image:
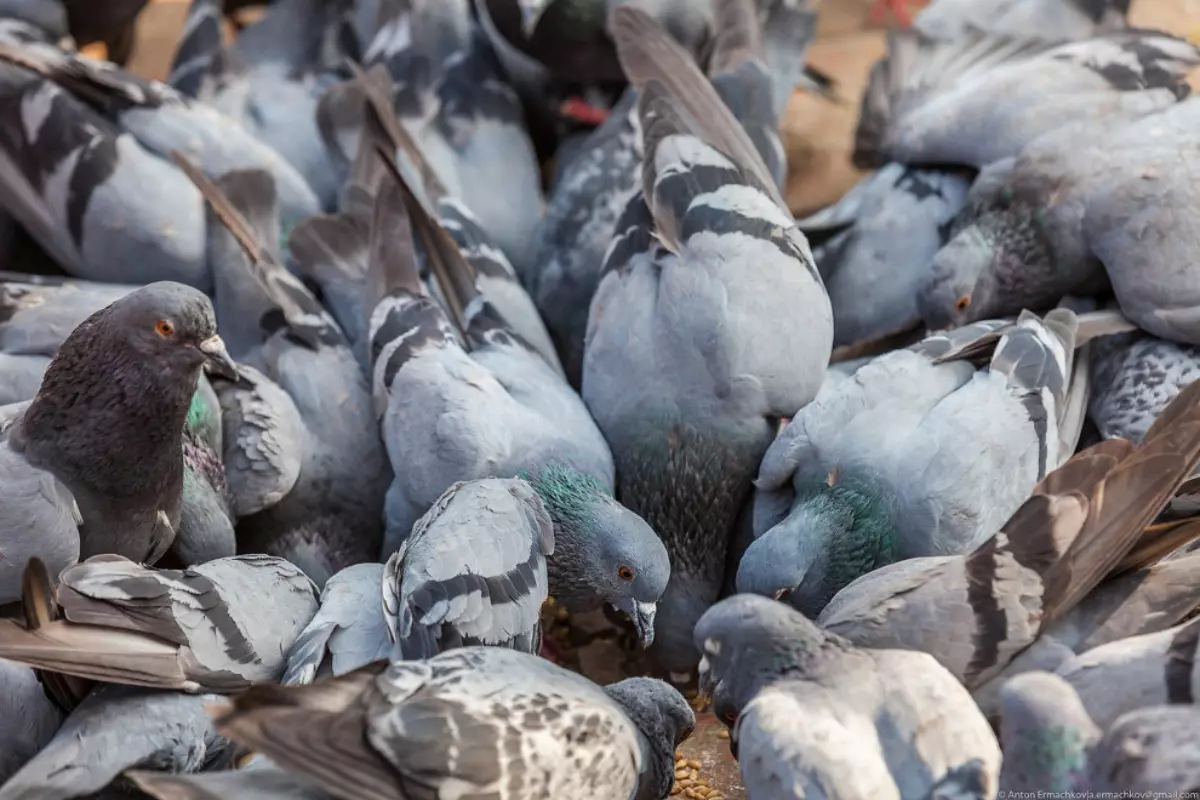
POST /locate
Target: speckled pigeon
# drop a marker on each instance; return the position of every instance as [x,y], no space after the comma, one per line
[817,716]
[918,454]
[477,720]
[705,256]
[218,627]
[488,405]
[1084,521]
[330,519]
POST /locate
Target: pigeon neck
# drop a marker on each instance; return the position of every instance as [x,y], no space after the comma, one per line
[570,497]
[1053,758]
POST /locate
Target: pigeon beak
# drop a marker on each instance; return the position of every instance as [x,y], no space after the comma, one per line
[705,680]
[217,358]
[531,12]
[642,616]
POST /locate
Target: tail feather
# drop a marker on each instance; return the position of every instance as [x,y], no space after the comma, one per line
[40,608]
[200,49]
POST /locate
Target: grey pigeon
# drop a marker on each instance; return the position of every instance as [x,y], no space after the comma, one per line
[877,245]
[348,632]
[118,728]
[1045,19]
[819,717]
[330,519]
[488,405]
[575,234]
[1067,215]
[116,457]
[1082,523]
[271,78]
[218,627]
[464,116]
[1051,744]
[1134,377]
[919,454]
[118,131]
[265,783]
[473,571]
[932,102]
[477,720]
[687,369]
[30,718]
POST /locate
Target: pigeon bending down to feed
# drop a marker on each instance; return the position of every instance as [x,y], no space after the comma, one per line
[813,715]
[1051,744]
[472,721]
[473,572]
[685,367]
[118,728]
[323,441]
[218,627]
[94,465]
[918,454]
[466,397]
[975,613]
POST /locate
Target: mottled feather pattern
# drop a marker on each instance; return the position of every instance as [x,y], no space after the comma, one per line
[1136,60]
[1135,377]
[404,327]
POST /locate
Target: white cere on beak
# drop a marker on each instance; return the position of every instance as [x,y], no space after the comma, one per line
[712,647]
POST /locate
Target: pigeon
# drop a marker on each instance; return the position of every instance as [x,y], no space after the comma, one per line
[892,464]
[932,102]
[112,464]
[330,519]
[30,718]
[579,224]
[348,632]
[966,782]
[488,405]
[464,117]
[264,783]
[816,716]
[1051,744]
[24,21]
[878,243]
[216,628]
[472,572]
[1067,216]
[476,720]
[271,78]
[1045,19]
[1134,377]
[117,728]
[1082,522]
[688,405]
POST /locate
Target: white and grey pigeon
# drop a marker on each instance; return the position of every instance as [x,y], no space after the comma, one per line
[218,627]
[472,572]
[463,396]
[464,116]
[133,217]
[573,238]
[920,453]
[476,721]
[30,718]
[271,78]
[709,325]
[1084,522]
[330,518]
[1073,209]
[819,717]
[118,728]
[1052,745]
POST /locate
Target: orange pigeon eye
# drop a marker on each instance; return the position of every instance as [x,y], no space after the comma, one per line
[963,304]
[626,573]
[164,328]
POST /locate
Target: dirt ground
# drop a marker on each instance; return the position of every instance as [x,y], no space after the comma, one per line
[819,136]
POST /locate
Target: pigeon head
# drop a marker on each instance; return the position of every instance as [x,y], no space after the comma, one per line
[1045,732]
[603,552]
[749,642]
[664,718]
[948,297]
[826,542]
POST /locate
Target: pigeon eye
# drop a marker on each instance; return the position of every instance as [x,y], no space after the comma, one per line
[626,573]
[164,329]
[963,304]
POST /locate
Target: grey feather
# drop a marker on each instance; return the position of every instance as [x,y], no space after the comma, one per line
[31,719]
[268,783]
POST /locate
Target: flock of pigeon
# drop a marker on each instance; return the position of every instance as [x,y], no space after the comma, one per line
[312,399]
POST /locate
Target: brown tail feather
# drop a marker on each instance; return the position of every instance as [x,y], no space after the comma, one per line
[1157,542]
[41,608]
